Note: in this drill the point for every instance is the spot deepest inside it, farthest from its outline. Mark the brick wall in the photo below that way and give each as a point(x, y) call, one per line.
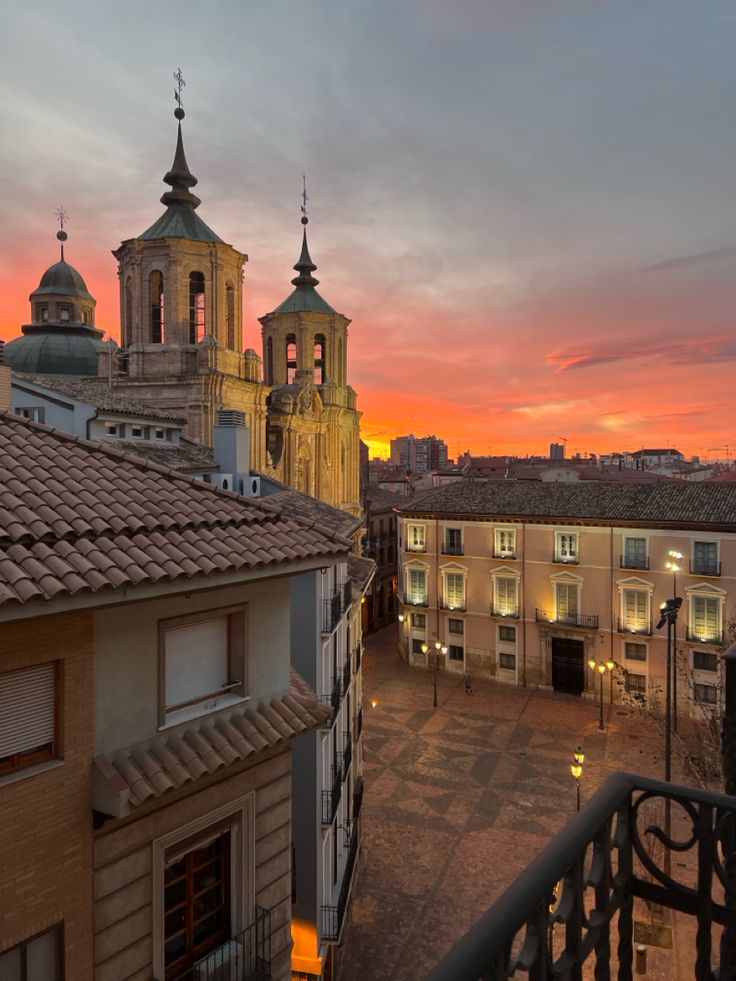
point(46, 814)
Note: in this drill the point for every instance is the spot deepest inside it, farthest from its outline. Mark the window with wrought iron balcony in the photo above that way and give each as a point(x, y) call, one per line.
point(635, 554)
point(453, 544)
point(705, 559)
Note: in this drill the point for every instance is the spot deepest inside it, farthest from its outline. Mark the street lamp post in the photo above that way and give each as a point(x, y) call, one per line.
point(576, 768)
point(673, 564)
point(439, 648)
point(601, 667)
point(668, 614)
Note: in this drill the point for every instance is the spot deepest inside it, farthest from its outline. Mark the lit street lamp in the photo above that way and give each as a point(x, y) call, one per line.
point(601, 667)
point(668, 614)
point(673, 565)
point(576, 768)
point(439, 648)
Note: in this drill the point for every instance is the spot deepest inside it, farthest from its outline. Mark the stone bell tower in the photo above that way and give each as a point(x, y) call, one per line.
point(313, 433)
point(181, 305)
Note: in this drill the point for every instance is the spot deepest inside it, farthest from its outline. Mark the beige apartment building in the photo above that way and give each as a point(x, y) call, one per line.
point(527, 583)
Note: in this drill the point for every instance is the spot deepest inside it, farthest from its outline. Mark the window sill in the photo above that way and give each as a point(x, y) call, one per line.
point(30, 771)
point(197, 711)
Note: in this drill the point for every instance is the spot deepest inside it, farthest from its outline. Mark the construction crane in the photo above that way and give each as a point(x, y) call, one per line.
point(716, 449)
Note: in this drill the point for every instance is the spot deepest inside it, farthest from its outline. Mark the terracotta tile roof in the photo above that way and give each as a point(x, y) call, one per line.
point(130, 777)
point(186, 455)
point(360, 570)
point(78, 516)
point(98, 393)
point(677, 502)
point(318, 513)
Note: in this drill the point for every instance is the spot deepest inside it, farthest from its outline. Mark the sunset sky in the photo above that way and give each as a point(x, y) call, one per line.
point(526, 207)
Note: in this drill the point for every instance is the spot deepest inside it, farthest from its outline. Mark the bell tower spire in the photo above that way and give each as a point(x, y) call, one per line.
point(180, 179)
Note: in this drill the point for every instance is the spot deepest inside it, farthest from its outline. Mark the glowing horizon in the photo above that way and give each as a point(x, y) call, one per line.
point(523, 258)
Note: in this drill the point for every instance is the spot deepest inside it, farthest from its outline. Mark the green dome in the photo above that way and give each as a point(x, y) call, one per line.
point(62, 280)
point(55, 352)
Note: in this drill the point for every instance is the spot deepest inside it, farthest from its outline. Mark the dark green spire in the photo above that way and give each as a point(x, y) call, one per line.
point(180, 178)
point(305, 267)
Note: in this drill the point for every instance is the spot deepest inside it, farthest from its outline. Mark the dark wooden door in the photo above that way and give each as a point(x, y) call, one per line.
point(568, 671)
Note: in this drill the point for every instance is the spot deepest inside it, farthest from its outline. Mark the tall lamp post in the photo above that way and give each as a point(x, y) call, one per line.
point(439, 648)
point(576, 768)
point(601, 667)
point(668, 614)
point(673, 565)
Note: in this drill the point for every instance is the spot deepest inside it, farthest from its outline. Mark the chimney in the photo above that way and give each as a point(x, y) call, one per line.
point(232, 445)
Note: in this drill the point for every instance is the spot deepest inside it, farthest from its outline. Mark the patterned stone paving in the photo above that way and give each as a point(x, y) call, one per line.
point(459, 799)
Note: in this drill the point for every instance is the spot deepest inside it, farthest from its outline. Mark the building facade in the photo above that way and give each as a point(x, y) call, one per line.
point(529, 583)
point(148, 712)
point(418, 454)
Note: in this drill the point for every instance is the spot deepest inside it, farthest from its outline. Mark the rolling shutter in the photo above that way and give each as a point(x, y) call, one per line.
point(26, 709)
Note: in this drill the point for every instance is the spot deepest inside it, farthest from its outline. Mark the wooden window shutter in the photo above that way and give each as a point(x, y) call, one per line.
point(26, 709)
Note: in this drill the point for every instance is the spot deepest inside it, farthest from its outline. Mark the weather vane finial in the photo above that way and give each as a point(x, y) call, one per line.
point(180, 83)
point(305, 218)
point(62, 236)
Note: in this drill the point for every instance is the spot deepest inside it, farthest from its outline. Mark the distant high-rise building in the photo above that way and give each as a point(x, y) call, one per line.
point(557, 451)
point(419, 454)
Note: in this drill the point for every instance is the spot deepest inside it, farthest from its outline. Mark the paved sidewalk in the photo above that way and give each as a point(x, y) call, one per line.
point(459, 799)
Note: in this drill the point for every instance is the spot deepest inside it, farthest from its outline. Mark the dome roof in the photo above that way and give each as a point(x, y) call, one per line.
point(63, 280)
point(55, 352)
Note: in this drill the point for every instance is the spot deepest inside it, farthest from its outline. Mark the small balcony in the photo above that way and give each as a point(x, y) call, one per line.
point(346, 674)
point(358, 728)
point(631, 626)
point(587, 621)
point(570, 914)
point(331, 798)
point(347, 757)
point(358, 797)
point(448, 549)
point(346, 591)
point(331, 613)
point(333, 916)
point(704, 637)
point(505, 613)
point(454, 608)
point(560, 559)
point(504, 556)
point(633, 562)
point(246, 957)
point(416, 601)
point(358, 657)
point(333, 699)
point(705, 567)
point(416, 548)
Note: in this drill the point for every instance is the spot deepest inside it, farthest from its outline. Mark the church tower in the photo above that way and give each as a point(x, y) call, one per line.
point(181, 304)
point(313, 425)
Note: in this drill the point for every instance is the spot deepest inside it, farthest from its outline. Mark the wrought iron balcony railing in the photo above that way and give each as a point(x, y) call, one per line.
point(331, 798)
point(358, 797)
point(333, 916)
point(416, 548)
point(630, 626)
point(358, 657)
point(605, 859)
point(347, 757)
point(448, 549)
point(705, 637)
point(705, 567)
point(565, 559)
point(585, 620)
point(505, 612)
point(359, 723)
point(331, 613)
point(347, 594)
point(633, 562)
point(333, 699)
point(246, 957)
point(347, 670)
point(416, 601)
point(510, 556)
point(458, 607)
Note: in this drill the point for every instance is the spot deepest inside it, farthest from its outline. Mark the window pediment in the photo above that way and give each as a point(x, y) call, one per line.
point(416, 564)
point(565, 577)
point(705, 589)
point(505, 570)
point(453, 567)
point(634, 582)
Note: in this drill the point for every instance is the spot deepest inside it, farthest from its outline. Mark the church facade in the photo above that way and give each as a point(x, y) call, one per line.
point(181, 301)
point(181, 351)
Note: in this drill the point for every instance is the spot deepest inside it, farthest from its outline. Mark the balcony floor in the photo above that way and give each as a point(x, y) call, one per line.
point(459, 799)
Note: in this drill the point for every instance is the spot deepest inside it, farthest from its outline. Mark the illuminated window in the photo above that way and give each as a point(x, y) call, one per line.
point(705, 618)
point(505, 603)
point(416, 538)
point(566, 546)
point(566, 596)
point(197, 325)
point(454, 590)
point(416, 583)
point(505, 542)
point(635, 606)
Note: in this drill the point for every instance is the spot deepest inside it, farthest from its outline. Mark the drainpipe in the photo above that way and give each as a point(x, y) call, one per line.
point(523, 604)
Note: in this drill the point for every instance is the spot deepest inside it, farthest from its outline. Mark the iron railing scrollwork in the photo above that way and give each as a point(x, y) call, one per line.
point(245, 957)
point(617, 849)
point(333, 916)
point(331, 613)
point(586, 620)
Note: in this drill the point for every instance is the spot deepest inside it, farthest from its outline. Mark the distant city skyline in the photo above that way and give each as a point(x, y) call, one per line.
point(526, 208)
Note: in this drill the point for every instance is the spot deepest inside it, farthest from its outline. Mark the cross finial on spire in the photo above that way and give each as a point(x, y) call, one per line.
point(180, 83)
point(62, 236)
point(305, 218)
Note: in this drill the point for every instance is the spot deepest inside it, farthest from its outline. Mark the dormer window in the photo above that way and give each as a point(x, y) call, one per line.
point(111, 429)
point(138, 432)
point(159, 433)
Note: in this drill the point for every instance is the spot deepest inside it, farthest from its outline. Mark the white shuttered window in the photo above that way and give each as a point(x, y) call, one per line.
point(27, 715)
point(196, 661)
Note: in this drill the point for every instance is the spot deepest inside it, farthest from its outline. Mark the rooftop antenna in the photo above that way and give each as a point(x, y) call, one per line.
point(61, 234)
point(305, 198)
